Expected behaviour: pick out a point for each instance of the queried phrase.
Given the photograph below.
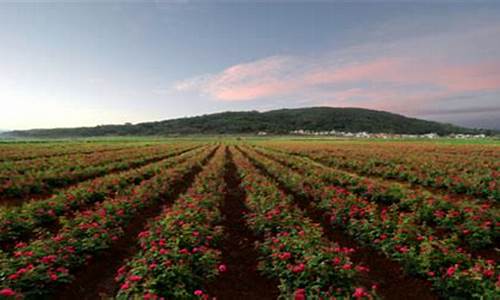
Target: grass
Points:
(235, 138)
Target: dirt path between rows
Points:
(96, 280)
(487, 253)
(54, 226)
(442, 192)
(71, 183)
(242, 279)
(393, 283)
(56, 154)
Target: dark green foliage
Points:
(276, 122)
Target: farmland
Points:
(249, 219)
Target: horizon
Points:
(231, 111)
(88, 64)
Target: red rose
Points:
(300, 294)
(135, 278)
(285, 256)
(451, 270)
(222, 268)
(359, 293)
(7, 292)
(298, 268)
(125, 286)
(488, 273)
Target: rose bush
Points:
(179, 251)
(294, 249)
(39, 267)
(398, 231)
(15, 222)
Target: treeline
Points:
(274, 122)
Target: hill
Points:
(280, 121)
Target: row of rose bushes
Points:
(20, 221)
(473, 223)
(179, 250)
(57, 158)
(395, 232)
(294, 250)
(40, 165)
(44, 180)
(26, 151)
(38, 268)
(466, 173)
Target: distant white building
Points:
(365, 134)
(430, 135)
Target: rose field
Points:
(249, 219)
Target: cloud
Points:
(400, 75)
(277, 78)
(246, 81)
(364, 71)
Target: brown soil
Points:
(53, 227)
(242, 279)
(442, 191)
(393, 283)
(47, 193)
(493, 254)
(65, 154)
(489, 253)
(96, 280)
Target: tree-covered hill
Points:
(275, 122)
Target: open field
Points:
(249, 218)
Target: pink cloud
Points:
(244, 81)
(452, 77)
(355, 72)
(277, 76)
(252, 91)
(382, 99)
(263, 78)
(471, 77)
(254, 69)
(401, 75)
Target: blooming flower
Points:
(125, 286)
(300, 294)
(135, 278)
(362, 269)
(6, 292)
(222, 268)
(488, 273)
(13, 276)
(359, 293)
(451, 270)
(150, 296)
(198, 292)
(48, 259)
(285, 256)
(298, 268)
(20, 245)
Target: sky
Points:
(67, 64)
